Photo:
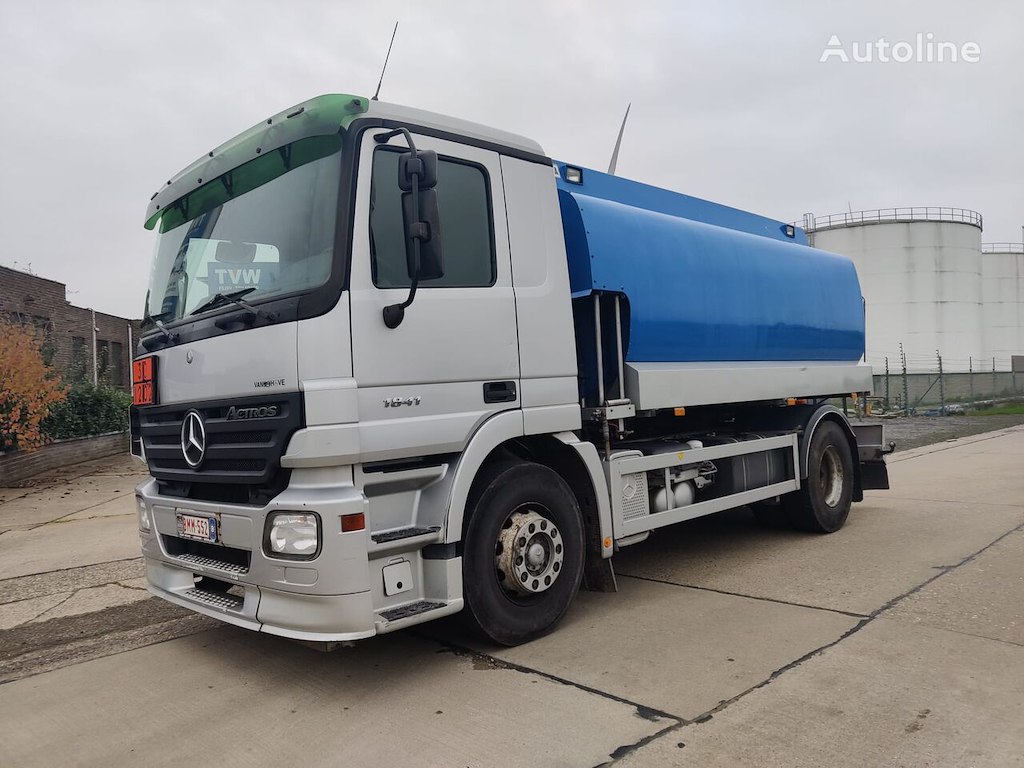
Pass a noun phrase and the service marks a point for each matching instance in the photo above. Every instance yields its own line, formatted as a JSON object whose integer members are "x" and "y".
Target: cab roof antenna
{"x": 385, "y": 67}
{"x": 618, "y": 142}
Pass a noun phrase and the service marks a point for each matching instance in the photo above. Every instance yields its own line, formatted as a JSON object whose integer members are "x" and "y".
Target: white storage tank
{"x": 1002, "y": 293}
{"x": 920, "y": 274}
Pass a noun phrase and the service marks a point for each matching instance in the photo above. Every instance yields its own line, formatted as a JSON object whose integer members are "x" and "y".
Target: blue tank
{"x": 706, "y": 282}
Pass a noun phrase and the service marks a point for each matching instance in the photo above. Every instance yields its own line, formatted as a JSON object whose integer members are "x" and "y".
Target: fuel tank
{"x": 704, "y": 282}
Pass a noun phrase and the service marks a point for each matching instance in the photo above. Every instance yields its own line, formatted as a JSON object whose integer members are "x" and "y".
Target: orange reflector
{"x": 356, "y": 522}
{"x": 680, "y": 411}
{"x": 607, "y": 542}
{"x": 796, "y": 401}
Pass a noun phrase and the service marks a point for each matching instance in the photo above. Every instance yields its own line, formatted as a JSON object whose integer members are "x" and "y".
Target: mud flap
{"x": 598, "y": 575}
{"x": 874, "y": 475}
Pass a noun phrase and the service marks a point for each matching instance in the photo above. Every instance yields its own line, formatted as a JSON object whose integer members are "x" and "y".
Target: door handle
{"x": 499, "y": 392}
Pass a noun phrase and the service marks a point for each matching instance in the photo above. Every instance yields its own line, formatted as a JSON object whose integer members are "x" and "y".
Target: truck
{"x": 396, "y": 366}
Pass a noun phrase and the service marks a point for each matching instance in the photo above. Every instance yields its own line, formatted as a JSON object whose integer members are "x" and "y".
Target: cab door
{"x": 425, "y": 386}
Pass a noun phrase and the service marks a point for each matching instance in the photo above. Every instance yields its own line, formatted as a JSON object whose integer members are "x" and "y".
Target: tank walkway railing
{"x": 812, "y": 223}
{"x": 1002, "y": 247}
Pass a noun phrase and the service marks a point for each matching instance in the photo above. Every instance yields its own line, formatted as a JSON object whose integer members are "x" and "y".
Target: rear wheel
{"x": 823, "y": 504}
{"x": 523, "y": 553}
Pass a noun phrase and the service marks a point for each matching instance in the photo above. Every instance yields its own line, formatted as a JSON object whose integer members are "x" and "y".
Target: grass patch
{"x": 1006, "y": 409}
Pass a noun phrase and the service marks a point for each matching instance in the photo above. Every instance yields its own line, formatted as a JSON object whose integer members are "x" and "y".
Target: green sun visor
{"x": 294, "y": 137}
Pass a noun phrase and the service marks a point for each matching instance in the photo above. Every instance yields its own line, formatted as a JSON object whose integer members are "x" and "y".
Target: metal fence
{"x": 812, "y": 223}
{"x": 1002, "y": 247}
{"x": 938, "y": 385}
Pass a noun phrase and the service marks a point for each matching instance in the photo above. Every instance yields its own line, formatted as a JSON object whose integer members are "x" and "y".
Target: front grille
{"x": 239, "y": 452}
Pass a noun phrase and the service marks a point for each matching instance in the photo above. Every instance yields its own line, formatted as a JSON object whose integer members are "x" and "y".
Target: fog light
{"x": 143, "y": 510}
{"x": 293, "y": 535}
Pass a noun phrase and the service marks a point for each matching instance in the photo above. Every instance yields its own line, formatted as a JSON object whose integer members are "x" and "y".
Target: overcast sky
{"x": 104, "y": 101}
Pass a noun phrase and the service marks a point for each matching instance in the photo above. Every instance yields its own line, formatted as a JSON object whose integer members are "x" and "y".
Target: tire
{"x": 823, "y": 504}
{"x": 500, "y": 548}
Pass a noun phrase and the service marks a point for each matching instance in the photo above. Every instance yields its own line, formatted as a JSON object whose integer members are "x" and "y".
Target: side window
{"x": 465, "y": 214}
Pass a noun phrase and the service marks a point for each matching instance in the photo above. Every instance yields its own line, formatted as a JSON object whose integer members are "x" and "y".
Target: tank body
{"x": 705, "y": 282}
{"x": 1002, "y": 293}
{"x": 920, "y": 272}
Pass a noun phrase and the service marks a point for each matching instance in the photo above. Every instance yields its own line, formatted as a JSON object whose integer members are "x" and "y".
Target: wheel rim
{"x": 529, "y": 552}
{"x": 831, "y": 476}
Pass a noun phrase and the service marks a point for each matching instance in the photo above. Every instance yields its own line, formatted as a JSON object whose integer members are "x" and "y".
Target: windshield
{"x": 267, "y": 226}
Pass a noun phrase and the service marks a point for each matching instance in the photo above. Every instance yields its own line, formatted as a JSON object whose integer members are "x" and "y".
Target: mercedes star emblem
{"x": 193, "y": 439}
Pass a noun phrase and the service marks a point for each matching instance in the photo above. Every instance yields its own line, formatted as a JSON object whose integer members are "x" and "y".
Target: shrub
{"x": 28, "y": 389}
{"x": 88, "y": 410}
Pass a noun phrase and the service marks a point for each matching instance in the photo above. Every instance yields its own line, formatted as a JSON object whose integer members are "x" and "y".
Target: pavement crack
{"x": 641, "y": 710}
{"x": 47, "y": 610}
{"x": 626, "y": 749}
{"x": 962, "y": 633}
{"x": 125, "y": 586}
{"x": 63, "y": 518}
{"x": 974, "y": 502}
{"x": 960, "y": 442}
{"x": 668, "y": 582}
{"x": 865, "y": 621}
{"x": 70, "y": 568}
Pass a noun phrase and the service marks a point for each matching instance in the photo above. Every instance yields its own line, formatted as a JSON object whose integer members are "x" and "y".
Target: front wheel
{"x": 523, "y": 552}
{"x": 823, "y": 504}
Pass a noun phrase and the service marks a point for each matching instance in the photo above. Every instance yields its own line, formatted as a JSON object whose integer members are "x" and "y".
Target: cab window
{"x": 464, "y": 207}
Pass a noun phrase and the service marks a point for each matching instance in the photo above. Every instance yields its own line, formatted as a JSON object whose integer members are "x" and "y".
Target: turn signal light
{"x": 356, "y": 522}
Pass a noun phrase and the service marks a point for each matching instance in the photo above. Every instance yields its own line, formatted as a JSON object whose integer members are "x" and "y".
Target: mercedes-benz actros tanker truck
{"x": 396, "y": 366}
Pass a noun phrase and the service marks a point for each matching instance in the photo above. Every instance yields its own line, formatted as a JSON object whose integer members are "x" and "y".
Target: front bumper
{"x": 318, "y": 618}
{"x": 326, "y": 599}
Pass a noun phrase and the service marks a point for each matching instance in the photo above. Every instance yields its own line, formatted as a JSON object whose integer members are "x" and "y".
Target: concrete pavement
{"x": 896, "y": 641}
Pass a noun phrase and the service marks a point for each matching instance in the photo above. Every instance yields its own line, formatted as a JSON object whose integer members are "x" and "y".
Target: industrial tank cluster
{"x": 930, "y": 285}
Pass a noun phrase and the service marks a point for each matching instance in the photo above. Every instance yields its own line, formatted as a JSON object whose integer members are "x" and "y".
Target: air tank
{"x": 1002, "y": 291}
{"x": 921, "y": 273}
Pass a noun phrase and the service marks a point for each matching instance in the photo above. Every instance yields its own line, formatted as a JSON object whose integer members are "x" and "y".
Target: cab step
{"x": 412, "y": 609}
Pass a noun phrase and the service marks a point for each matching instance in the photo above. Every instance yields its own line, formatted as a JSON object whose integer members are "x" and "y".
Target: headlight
{"x": 293, "y": 535}
{"x": 143, "y": 510}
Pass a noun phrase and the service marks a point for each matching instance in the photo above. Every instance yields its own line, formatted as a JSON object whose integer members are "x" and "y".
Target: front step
{"x": 412, "y": 609}
{"x": 402, "y": 616}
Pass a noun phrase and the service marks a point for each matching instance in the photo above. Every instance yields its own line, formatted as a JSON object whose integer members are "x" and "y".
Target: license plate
{"x": 199, "y": 527}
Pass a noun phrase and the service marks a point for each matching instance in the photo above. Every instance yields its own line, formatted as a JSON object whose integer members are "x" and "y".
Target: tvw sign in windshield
{"x": 230, "y": 277}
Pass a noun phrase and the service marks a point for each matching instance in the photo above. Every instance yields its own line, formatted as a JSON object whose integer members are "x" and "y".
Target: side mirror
{"x": 424, "y": 226}
{"x": 424, "y": 164}
{"x": 417, "y": 177}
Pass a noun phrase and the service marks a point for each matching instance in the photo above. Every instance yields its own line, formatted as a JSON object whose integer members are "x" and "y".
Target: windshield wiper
{"x": 220, "y": 299}
{"x": 165, "y": 335}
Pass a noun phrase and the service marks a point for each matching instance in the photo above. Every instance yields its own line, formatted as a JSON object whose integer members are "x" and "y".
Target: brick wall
{"x": 66, "y": 330}
{"x": 18, "y": 466}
